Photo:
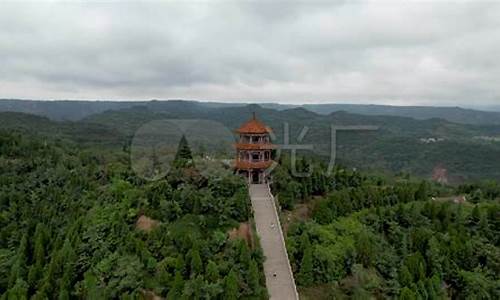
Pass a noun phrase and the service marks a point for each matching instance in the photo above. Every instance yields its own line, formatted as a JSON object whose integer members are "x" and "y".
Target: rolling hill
{"x": 452, "y": 114}
{"x": 78, "y": 110}
{"x": 447, "y": 151}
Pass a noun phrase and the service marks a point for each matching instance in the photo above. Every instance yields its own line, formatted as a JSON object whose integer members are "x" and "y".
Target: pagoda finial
{"x": 253, "y": 114}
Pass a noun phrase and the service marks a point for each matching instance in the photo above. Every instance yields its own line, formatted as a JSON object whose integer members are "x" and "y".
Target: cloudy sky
{"x": 391, "y": 52}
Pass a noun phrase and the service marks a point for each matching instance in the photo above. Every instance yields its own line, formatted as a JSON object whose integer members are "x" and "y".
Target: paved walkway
{"x": 279, "y": 278}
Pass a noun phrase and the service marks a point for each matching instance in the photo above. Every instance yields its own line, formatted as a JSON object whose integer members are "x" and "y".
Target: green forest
{"x": 462, "y": 149}
{"x": 370, "y": 237}
{"x": 68, "y": 227}
{"x": 249, "y": 150}
{"x": 76, "y": 221}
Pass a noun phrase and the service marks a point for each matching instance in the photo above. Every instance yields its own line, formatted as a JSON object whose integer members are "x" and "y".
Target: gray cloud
{"x": 439, "y": 53}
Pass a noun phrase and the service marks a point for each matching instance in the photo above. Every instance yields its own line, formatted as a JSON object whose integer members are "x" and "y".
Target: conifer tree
{"x": 436, "y": 286}
{"x": 434, "y": 256}
{"x": 475, "y": 216}
{"x": 483, "y": 225}
{"x": 244, "y": 254}
{"x": 405, "y": 278}
{"x": 365, "y": 248}
{"x": 34, "y": 275}
{"x": 18, "y": 270}
{"x": 196, "y": 263}
{"x": 306, "y": 268}
{"x": 63, "y": 294}
{"x": 231, "y": 286}
{"x": 253, "y": 278}
{"x": 195, "y": 287}
{"x": 154, "y": 170}
{"x": 304, "y": 240}
{"x": 416, "y": 266}
{"x": 180, "y": 265}
{"x": 19, "y": 291}
{"x": 68, "y": 269}
{"x": 422, "y": 291}
{"x": 183, "y": 157}
{"x": 422, "y": 192}
{"x": 90, "y": 285}
{"x": 39, "y": 247}
{"x": 177, "y": 287}
{"x": 212, "y": 272}
{"x": 407, "y": 294}
{"x": 35, "y": 272}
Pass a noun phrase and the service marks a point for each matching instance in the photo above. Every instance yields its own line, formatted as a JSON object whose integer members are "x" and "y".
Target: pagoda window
{"x": 255, "y": 156}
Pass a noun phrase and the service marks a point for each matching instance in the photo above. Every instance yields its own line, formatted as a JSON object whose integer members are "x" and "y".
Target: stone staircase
{"x": 279, "y": 277}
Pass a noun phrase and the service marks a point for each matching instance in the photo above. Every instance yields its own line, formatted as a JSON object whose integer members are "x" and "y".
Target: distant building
{"x": 488, "y": 138}
{"x": 440, "y": 174}
{"x": 460, "y": 199}
{"x": 253, "y": 151}
{"x": 431, "y": 140}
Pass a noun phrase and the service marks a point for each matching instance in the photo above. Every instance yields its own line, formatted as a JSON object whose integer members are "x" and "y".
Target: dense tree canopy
{"x": 68, "y": 228}
{"x": 370, "y": 236}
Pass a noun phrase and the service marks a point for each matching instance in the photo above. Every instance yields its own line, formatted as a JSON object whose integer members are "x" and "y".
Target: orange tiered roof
{"x": 254, "y": 126}
{"x": 263, "y": 146}
{"x": 241, "y": 164}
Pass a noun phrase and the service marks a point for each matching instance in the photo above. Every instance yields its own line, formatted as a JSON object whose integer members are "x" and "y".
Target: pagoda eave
{"x": 252, "y": 131}
{"x": 242, "y": 146}
{"x": 246, "y": 165}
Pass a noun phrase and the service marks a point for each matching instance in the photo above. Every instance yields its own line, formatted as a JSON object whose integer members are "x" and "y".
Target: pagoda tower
{"x": 253, "y": 151}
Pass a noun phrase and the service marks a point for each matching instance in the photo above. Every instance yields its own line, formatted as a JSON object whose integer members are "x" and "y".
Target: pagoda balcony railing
{"x": 255, "y": 146}
{"x": 245, "y": 140}
{"x": 241, "y": 164}
{"x": 254, "y": 160}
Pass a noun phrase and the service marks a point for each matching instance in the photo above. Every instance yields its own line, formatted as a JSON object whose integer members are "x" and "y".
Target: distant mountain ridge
{"x": 401, "y": 144}
{"x": 74, "y": 110}
{"x": 452, "y": 114}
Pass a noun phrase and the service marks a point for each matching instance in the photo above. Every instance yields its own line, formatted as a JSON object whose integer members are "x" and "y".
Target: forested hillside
{"x": 452, "y": 114}
{"x": 449, "y": 152}
{"x": 76, "y": 222}
{"x": 79, "y": 133}
{"x": 365, "y": 237}
{"x": 76, "y": 110}
{"x": 399, "y": 145}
